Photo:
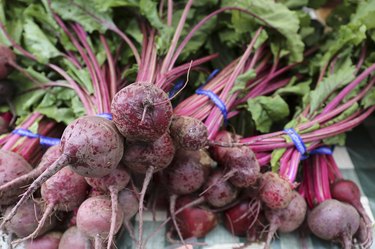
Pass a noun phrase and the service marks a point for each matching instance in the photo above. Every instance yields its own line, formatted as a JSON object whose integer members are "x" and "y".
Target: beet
{"x": 25, "y": 221}
{"x": 116, "y": 180}
{"x": 242, "y": 163}
{"x": 94, "y": 218}
{"x": 348, "y": 191}
{"x": 74, "y": 238}
{"x": 148, "y": 158}
{"x": 189, "y": 133}
{"x": 218, "y": 152}
{"x": 64, "y": 191}
{"x": 139, "y": 156}
{"x": 51, "y": 155}
{"x": 111, "y": 184}
{"x": 194, "y": 221}
{"x": 275, "y": 191}
{"x": 188, "y": 171}
{"x": 7, "y": 58}
{"x": 286, "y": 219}
{"x": 240, "y": 218}
{"x": 142, "y": 112}
{"x": 334, "y": 220}
{"x": 220, "y": 193}
{"x": 90, "y": 145}
{"x": 50, "y": 240}
{"x": 12, "y": 166}
{"x": 129, "y": 205}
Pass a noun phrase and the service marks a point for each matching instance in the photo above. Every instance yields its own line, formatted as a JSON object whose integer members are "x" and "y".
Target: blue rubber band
{"x": 105, "y": 115}
{"x": 324, "y": 150}
{"x": 176, "y": 88}
{"x": 45, "y": 141}
{"x": 49, "y": 141}
{"x": 25, "y": 133}
{"x": 297, "y": 140}
{"x": 217, "y": 101}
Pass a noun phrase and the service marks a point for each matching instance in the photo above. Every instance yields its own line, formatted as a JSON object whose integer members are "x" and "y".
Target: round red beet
{"x": 142, "y": 112}
{"x": 194, "y": 221}
{"x": 236, "y": 222}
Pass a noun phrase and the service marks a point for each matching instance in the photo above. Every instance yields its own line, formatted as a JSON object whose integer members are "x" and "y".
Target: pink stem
{"x": 284, "y": 160}
{"x": 81, "y": 52}
{"x": 201, "y": 23}
{"x": 112, "y": 70}
{"x": 333, "y": 166}
{"x": 103, "y": 93}
{"x": 215, "y": 118}
{"x": 318, "y": 184}
{"x": 167, "y": 60}
{"x": 325, "y": 178}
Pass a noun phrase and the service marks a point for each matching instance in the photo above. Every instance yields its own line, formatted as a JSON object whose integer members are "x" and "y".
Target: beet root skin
{"x": 66, "y": 190}
{"x": 220, "y": 193}
{"x": 291, "y": 217}
{"x": 116, "y": 180}
{"x": 139, "y": 156}
{"x": 129, "y": 203}
{"x": 26, "y": 219}
{"x": 12, "y": 166}
{"x": 94, "y": 217}
{"x": 10, "y": 190}
{"x": 334, "y": 220}
{"x": 275, "y": 191}
{"x": 74, "y": 238}
{"x": 188, "y": 171}
{"x": 142, "y": 112}
{"x": 50, "y": 240}
{"x": 189, "y": 133}
{"x": 218, "y": 152}
{"x": 235, "y": 223}
{"x": 93, "y": 145}
{"x": 194, "y": 221}
{"x": 242, "y": 160}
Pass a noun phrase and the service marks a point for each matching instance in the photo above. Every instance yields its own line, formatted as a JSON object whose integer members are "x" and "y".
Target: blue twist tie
{"x": 105, "y": 115}
{"x": 324, "y": 150}
{"x": 25, "y": 133}
{"x": 176, "y": 88}
{"x": 217, "y": 101}
{"x": 47, "y": 141}
{"x": 297, "y": 140}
